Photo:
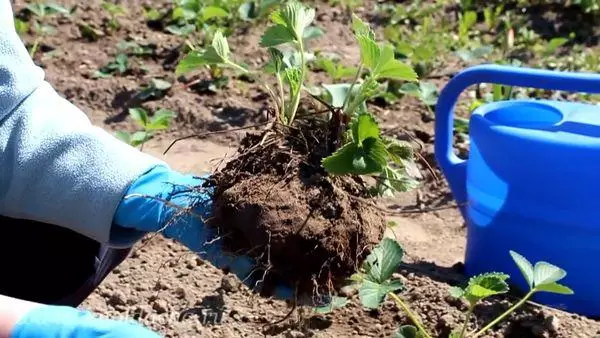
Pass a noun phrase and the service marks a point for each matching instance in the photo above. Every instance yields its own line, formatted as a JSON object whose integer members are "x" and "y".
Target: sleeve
{"x": 55, "y": 166}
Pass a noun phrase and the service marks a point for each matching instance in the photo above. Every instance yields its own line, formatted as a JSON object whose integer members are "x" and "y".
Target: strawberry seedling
{"x": 161, "y": 120}
{"x": 324, "y": 159}
{"x": 375, "y": 283}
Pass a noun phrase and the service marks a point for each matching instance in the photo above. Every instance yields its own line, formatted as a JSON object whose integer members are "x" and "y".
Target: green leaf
{"x": 457, "y": 292}
{"x": 220, "y": 45}
{"x": 370, "y": 158}
{"x": 276, "y": 35}
{"x": 216, "y": 54}
{"x": 191, "y": 62}
{"x": 139, "y": 115}
{"x": 338, "y": 92}
{"x": 139, "y": 137}
{"x": 183, "y": 30}
{"x": 212, "y": 12}
{"x": 313, "y": 32}
{"x": 293, "y": 77}
{"x": 336, "y": 303}
{"x": 57, "y": 9}
{"x": 546, "y": 273}
{"x": 383, "y": 260}
{"x": 399, "y": 151}
{"x": 525, "y": 266}
{"x": 152, "y": 14}
{"x": 394, "y": 180}
{"x": 486, "y": 285}
{"x": 363, "y": 127}
{"x": 276, "y": 59}
{"x": 160, "y": 84}
{"x": 369, "y": 51}
{"x": 352, "y": 159}
{"x": 123, "y": 136}
{"x": 161, "y": 119}
{"x": 555, "y": 288}
{"x": 408, "y": 331}
{"x": 361, "y": 28}
{"x": 372, "y": 294}
{"x": 295, "y": 17}
{"x": 455, "y": 334}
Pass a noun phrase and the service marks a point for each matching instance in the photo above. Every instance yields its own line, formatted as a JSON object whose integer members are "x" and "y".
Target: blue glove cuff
{"x": 67, "y": 322}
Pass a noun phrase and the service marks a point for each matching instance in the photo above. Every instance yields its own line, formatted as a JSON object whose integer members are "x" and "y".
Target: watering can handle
{"x": 452, "y": 166}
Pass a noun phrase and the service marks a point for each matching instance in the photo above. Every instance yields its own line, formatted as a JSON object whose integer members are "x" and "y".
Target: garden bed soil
{"x": 169, "y": 289}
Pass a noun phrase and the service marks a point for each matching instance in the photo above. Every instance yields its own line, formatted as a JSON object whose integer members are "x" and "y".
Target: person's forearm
{"x": 12, "y": 310}
{"x": 55, "y": 166}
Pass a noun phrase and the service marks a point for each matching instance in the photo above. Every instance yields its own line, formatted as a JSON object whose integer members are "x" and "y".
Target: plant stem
{"x": 282, "y": 96}
{"x": 296, "y": 98}
{"x": 356, "y": 77}
{"x": 505, "y": 314}
{"x": 410, "y": 314}
{"x": 238, "y": 67}
{"x": 467, "y": 318}
{"x": 35, "y": 46}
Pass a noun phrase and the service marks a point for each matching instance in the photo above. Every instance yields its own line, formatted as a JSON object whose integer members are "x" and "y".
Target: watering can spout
{"x": 453, "y": 167}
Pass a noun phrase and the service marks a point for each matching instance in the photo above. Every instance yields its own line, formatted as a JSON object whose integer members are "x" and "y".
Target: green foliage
{"x": 120, "y": 66}
{"x": 206, "y": 17}
{"x": 114, "y": 12}
{"x": 364, "y": 150}
{"x": 40, "y": 12}
{"x": 161, "y": 120}
{"x": 375, "y": 282}
{"x": 334, "y": 68}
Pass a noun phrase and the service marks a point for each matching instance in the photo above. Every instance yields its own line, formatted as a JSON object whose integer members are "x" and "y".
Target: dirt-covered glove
{"x": 170, "y": 202}
{"x": 49, "y": 321}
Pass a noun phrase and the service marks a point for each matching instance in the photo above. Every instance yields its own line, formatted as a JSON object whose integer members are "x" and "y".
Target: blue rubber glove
{"x": 156, "y": 201}
{"x": 66, "y": 322}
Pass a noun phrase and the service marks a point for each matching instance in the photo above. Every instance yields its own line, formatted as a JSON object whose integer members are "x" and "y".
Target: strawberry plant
{"x": 41, "y": 12}
{"x": 326, "y": 160}
{"x": 375, "y": 283}
{"x": 360, "y": 148}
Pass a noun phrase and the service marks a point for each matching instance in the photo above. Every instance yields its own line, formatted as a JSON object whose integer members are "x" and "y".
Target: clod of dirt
{"x": 160, "y": 306}
{"x": 229, "y": 283}
{"x": 274, "y": 202}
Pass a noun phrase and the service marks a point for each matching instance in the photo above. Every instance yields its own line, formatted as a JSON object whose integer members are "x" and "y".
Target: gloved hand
{"x": 161, "y": 200}
{"x": 48, "y": 321}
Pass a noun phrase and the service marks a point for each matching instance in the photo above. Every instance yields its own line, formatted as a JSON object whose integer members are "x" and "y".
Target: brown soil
{"x": 311, "y": 231}
{"x": 166, "y": 287}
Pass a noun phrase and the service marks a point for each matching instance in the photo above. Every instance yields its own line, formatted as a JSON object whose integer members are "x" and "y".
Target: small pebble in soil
{"x": 117, "y": 298}
{"x": 160, "y": 306}
{"x": 161, "y": 285}
{"x": 180, "y": 292}
{"x": 229, "y": 283}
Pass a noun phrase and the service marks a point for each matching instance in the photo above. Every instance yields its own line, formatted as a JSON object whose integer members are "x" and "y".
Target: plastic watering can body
{"x": 531, "y": 181}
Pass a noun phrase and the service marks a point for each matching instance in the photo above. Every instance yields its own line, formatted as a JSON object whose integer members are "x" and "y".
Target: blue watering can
{"x": 532, "y": 180}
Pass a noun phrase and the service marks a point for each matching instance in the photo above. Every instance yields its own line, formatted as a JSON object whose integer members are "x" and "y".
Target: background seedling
{"x": 42, "y": 11}
{"x": 114, "y": 12}
{"x": 161, "y": 120}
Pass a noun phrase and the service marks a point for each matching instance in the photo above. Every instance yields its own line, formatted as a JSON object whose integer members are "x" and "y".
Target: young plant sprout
{"x": 161, "y": 120}
{"x": 375, "y": 283}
